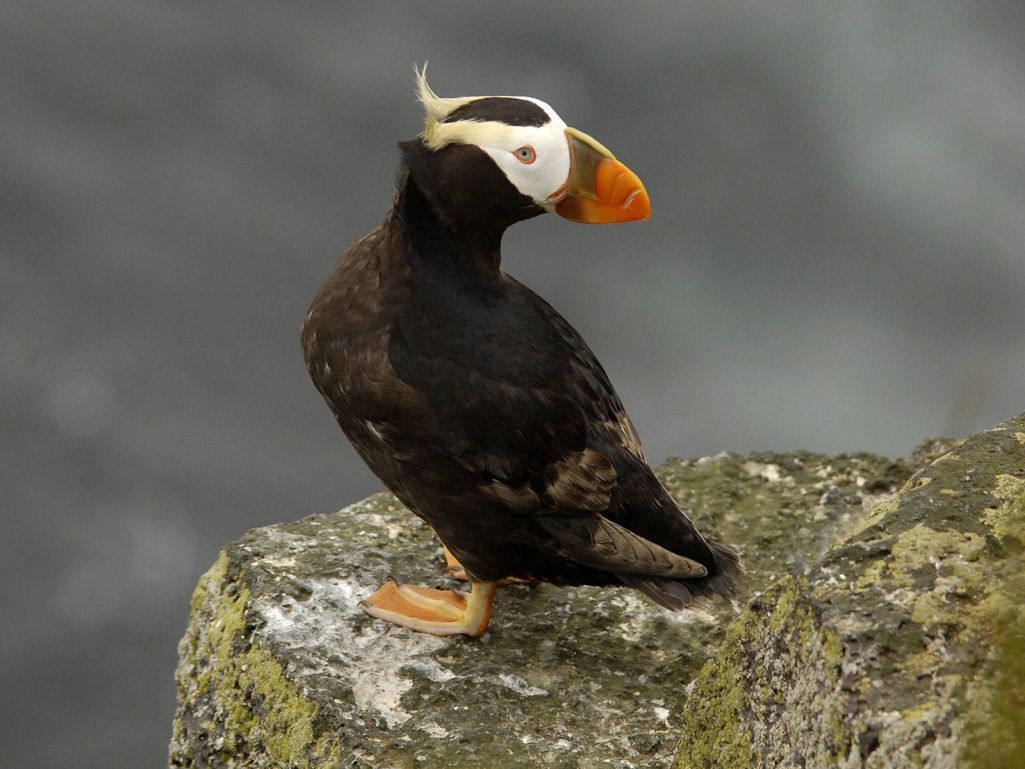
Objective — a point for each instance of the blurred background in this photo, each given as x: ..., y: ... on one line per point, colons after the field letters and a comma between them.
x: 836, y: 262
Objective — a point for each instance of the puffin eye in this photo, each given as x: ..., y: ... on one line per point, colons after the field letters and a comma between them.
x: 525, y: 155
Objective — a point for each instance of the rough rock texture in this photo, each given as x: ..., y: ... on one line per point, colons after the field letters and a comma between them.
x: 904, y: 646
x: 279, y: 667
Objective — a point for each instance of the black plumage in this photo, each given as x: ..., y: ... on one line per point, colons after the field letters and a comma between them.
x: 482, y: 409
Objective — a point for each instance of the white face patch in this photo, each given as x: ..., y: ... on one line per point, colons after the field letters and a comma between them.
x: 546, y: 148
x: 548, y: 167
x: 535, y: 159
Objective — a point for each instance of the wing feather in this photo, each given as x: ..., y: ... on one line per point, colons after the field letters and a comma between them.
x: 581, y: 480
x: 603, y: 544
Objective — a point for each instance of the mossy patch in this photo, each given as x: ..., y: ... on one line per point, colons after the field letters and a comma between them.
x: 242, y: 704
x: 715, y: 734
x: 919, y: 613
x: 763, y: 692
x: 996, y: 727
x: 1006, y: 519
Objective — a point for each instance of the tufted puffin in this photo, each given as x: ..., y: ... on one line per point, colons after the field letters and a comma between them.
x: 472, y: 399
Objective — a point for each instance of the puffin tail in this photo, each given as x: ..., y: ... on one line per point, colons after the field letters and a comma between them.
x: 676, y: 594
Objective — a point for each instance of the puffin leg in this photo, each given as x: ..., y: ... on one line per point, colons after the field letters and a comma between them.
x: 429, y: 610
x: 456, y: 571
x: 452, y: 566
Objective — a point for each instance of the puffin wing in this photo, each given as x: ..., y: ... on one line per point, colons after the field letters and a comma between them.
x: 594, y: 540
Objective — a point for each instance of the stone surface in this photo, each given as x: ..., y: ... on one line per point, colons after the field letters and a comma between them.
x: 279, y: 667
x: 904, y: 646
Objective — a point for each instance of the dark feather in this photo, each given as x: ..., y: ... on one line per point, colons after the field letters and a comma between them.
x: 665, y: 592
x: 726, y: 582
x: 594, y: 540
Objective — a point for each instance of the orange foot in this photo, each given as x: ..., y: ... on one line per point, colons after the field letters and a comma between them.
x: 428, y: 610
x: 456, y: 571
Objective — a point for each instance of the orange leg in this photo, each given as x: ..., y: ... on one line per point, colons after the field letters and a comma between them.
x: 428, y: 610
x: 456, y: 571
x: 452, y: 566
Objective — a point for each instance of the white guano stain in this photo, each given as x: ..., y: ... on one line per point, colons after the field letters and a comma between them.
x: 321, y: 631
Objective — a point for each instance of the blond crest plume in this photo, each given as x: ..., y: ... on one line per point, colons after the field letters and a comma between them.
x: 437, y: 134
x: 436, y: 108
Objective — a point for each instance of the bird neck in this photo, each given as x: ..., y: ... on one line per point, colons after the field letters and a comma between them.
x: 444, y: 240
x: 453, y: 207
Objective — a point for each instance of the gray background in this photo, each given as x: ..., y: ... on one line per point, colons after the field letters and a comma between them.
x: 835, y: 263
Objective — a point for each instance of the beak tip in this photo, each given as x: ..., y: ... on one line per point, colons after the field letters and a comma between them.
x: 640, y: 206
x: 637, y: 206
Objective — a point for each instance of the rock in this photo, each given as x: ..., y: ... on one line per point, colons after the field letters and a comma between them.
x: 904, y: 645
x: 279, y: 667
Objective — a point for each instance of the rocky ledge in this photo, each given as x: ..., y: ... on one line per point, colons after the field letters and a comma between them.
x: 885, y: 630
x: 903, y: 647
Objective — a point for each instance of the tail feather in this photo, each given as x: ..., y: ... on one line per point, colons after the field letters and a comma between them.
x: 665, y: 592
x: 675, y: 594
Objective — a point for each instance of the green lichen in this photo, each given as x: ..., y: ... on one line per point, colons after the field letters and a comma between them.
x: 715, y: 734
x: 1005, y: 520
x: 778, y: 639
x: 241, y: 696
x: 996, y: 727
x: 997, y: 731
x: 920, y: 607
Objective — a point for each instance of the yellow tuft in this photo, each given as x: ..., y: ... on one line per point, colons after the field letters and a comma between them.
x: 436, y: 109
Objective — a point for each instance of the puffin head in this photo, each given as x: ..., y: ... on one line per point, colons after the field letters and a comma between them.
x: 550, y: 166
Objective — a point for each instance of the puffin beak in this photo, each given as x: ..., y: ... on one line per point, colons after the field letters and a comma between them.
x: 600, y: 189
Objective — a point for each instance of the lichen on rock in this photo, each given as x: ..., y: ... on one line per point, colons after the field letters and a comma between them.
x: 898, y: 648
x: 241, y: 698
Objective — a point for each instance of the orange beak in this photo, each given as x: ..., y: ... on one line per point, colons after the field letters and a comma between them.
x: 600, y: 189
